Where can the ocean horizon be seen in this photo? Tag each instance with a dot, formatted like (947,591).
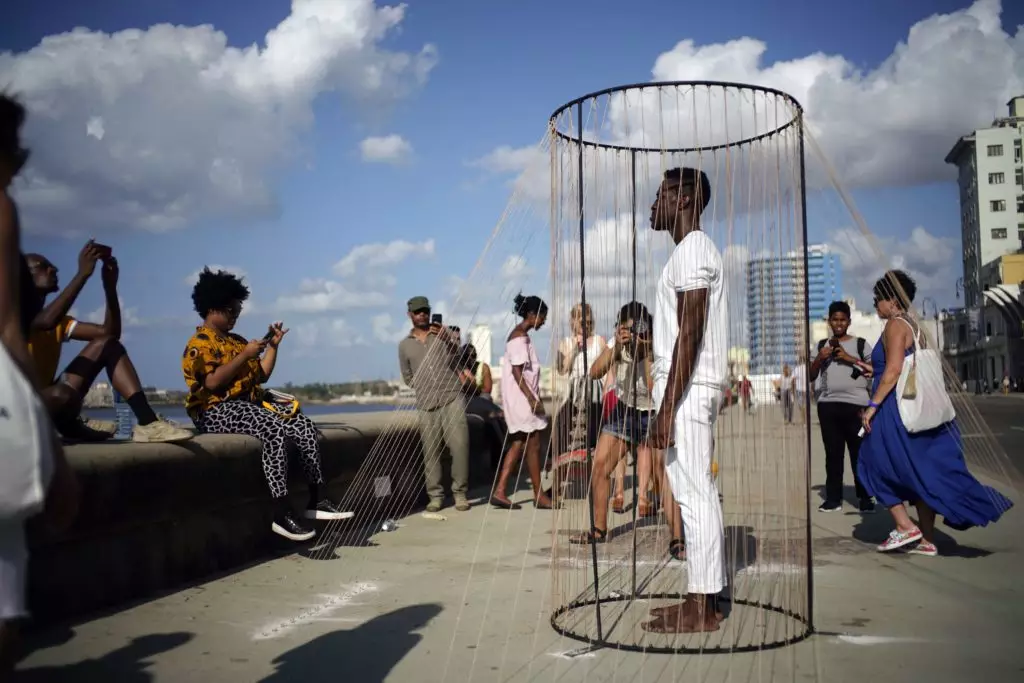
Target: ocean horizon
(178,414)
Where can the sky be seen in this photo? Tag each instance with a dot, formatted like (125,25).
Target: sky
(345,155)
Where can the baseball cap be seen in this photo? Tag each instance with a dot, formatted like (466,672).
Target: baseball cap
(418,303)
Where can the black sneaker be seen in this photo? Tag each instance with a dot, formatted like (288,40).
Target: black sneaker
(867,506)
(286,525)
(829,506)
(325,509)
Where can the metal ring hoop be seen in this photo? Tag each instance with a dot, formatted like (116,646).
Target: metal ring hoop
(657,85)
(806,633)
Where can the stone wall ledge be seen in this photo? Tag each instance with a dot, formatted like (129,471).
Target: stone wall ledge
(154,517)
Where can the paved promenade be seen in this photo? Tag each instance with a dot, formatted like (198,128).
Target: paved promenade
(467,599)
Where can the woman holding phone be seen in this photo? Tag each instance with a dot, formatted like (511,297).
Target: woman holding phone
(224,373)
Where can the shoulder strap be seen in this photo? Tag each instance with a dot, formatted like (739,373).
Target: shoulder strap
(861,343)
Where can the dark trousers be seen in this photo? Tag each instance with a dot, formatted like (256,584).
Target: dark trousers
(840,423)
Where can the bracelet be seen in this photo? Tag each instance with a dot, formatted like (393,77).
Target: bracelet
(872,404)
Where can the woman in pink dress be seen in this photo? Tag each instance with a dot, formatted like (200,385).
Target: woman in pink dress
(520,401)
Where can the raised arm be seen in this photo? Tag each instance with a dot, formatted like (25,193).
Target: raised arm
(111,326)
(54,312)
(824,353)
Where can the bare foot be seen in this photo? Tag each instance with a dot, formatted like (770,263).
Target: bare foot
(673,612)
(684,621)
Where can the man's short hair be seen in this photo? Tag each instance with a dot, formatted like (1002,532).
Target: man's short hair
(839,307)
(691,177)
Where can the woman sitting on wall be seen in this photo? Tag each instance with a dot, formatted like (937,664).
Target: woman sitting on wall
(224,373)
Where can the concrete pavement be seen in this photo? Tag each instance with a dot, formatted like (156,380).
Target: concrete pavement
(468,599)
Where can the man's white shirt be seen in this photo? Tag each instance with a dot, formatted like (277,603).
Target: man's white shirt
(695,264)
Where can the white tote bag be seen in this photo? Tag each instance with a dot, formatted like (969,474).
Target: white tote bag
(26,444)
(921,391)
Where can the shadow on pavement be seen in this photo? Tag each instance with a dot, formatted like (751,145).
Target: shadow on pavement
(366,653)
(125,665)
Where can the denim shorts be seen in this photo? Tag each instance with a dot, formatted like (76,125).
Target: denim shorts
(629,424)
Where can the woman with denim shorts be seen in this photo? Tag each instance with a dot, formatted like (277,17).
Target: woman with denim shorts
(627,426)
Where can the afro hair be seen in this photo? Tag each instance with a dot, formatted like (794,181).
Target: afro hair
(217,291)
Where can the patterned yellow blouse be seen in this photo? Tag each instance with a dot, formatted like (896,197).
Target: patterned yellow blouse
(206,351)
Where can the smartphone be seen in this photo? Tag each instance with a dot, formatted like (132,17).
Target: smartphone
(834,343)
(269,335)
(436,319)
(105,251)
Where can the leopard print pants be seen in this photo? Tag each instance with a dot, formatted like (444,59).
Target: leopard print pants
(252,419)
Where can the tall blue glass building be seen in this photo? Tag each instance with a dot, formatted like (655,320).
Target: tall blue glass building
(776,326)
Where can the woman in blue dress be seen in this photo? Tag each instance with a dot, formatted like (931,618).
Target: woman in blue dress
(925,468)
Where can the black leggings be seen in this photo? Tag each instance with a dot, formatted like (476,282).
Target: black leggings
(251,419)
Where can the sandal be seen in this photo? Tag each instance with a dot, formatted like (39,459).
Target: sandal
(504,504)
(595,535)
(677,549)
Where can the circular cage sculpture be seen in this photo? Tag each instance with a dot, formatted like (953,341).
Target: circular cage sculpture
(609,154)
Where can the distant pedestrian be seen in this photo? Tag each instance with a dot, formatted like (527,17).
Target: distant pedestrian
(786,393)
(800,386)
(840,376)
(429,359)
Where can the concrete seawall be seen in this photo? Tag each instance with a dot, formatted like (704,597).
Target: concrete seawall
(154,517)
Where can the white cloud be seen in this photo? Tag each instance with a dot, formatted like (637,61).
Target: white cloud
(890,125)
(529,164)
(389,330)
(318,295)
(515,266)
(380,254)
(129,315)
(363,279)
(192,277)
(390,149)
(325,334)
(928,258)
(113,148)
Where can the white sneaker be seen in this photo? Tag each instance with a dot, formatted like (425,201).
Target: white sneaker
(161,431)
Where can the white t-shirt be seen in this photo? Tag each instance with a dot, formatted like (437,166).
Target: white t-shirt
(695,264)
(800,378)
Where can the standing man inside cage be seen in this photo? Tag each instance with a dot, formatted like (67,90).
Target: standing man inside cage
(690,372)
(429,359)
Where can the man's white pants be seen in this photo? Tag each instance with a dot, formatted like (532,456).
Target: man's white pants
(688,464)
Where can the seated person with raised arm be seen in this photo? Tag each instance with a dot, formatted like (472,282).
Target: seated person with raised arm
(52,326)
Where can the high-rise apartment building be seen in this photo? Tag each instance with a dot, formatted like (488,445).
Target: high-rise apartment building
(985,339)
(991,179)
(776,320)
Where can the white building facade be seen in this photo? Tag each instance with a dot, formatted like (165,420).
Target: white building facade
(981,345)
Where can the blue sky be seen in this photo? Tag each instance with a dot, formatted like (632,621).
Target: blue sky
(307,197)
